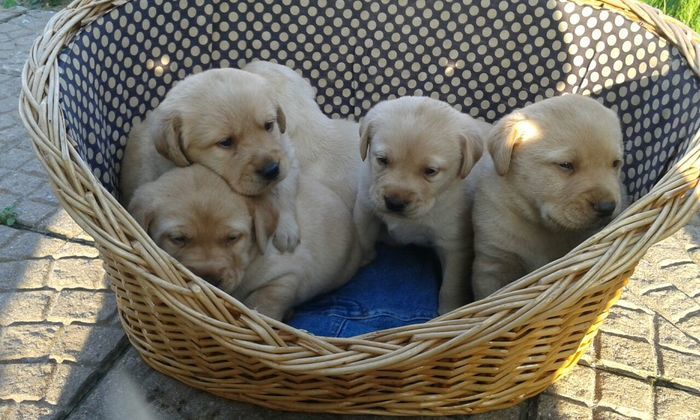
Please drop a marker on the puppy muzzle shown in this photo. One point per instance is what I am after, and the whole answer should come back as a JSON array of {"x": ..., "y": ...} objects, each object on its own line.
[
  {"x": 396, "y": 201},
  {"x": 230, "y": 279},
  {"x": 256, "y": 183},
  {"x": 269, "y": 172},
  {"x": 604, "y": 209},
  {"x": 394, "y": 204}
]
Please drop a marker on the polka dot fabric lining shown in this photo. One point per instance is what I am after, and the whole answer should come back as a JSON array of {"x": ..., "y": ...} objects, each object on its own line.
[{"x": 485, "y": 58}]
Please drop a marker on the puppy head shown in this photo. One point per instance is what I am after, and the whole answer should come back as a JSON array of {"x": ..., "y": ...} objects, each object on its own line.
[
  {"x": 564, "y": 156},
  {"x": 194, "y": 216},
  {"x": 228, "y": 121},
  {"x": 416, "y": 148}
]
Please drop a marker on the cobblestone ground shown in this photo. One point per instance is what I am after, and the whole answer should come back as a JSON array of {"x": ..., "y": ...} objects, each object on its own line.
[{"x": 63, "y": 354}]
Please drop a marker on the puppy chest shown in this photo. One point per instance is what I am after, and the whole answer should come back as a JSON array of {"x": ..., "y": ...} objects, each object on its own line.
[
  {"x": 407, "y": 233},
  {"x": 540, "y": 250}
]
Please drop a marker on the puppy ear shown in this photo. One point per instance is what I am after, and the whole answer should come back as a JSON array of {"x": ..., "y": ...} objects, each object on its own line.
[
  {"x": 503, "y": 138},
  {"x": 365, "y": 136},
  {"x": 472, "y": 149},
  {"x": 281, "y": 120},
  {"x": 142, "y": 209},
  {"x": 166, "y": 132},
  {"x": 265, "y": 217}
]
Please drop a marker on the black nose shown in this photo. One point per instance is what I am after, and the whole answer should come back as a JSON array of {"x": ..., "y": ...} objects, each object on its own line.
[
  {"x": 604, "y": 208},
  {"x": 394, "y": 204},
  {"x": 270, "y": 171}
]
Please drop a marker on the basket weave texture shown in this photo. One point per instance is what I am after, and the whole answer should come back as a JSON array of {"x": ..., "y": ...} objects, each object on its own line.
[{"x": 488, "y": 355}]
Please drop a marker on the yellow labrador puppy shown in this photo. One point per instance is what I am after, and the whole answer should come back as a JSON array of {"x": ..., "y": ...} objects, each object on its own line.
[
  {"x": 326, "y": 148},
  {"x": 229, "y": 121},
  {"x": 418, "y": 152},
  {"x": 194, "y": 216},
  {"x": 328, "y": 255},
  {"x": 223, "y": 237},
  {"x": 552, "y": 179}
]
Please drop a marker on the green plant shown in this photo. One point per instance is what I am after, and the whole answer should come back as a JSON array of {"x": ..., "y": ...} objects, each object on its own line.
[
  {"x": 8, "y": 216},
  {"x": 687, "y": 11},
  {"x": 34, "y": 4}
]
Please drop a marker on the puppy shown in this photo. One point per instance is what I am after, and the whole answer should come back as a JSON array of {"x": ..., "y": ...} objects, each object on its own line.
[
  {"x": 418, "y": 152},
  {"x": 328, "y": 255},
  {"x": 552, "y": 178},
  {"x": 193, "y": 215},
  {"x": 222, "y": 236},
  {"x": 229, "y": 121},
  {"x": 326, "y": 148}
]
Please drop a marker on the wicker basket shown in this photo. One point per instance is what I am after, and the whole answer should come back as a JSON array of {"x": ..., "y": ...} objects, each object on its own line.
[{"x": 487, "y": 355}]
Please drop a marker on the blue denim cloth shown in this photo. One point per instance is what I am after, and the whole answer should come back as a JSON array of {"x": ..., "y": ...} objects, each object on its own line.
[{"x": 400, "y": 287}]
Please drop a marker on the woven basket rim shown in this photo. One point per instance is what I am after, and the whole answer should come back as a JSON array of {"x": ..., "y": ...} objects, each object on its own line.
[{"x": 668, "y": 205}]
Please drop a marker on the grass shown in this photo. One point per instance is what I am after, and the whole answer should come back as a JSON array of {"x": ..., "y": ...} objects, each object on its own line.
[
  {"x": 687, "y": 11},
  {"x": 34, "y": 4},
  {"x": 8, "y": 216}
]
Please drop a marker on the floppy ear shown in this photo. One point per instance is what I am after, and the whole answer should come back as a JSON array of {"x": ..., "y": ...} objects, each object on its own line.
[
  {"x": 365, "y": 136},
  {"x": 142, "y": 208},
  {"x": 281, "y": 120},
  {"x": 472, "y": 149},
  {"x": 265, "y": 217},
  {"x": 503, "y": 138},
  {"x": 166, "y": 132}
]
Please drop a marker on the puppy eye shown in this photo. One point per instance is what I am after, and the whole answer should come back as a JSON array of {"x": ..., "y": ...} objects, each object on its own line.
[
  {"x": 431, "y": 172},
  {"x": 617, "y": 163},
  {"x": 226, "y": 143},
  {"x": 179, "y": 240},
  {"x": 567, "y": 166},
  {"x": 382, "y": 160},
  {"x": 233, "y": 238},
  {"x": 269, "y": 125}
]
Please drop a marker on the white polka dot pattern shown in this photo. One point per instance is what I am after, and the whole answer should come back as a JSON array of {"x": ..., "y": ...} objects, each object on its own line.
[{"x": 485, "y": 58}]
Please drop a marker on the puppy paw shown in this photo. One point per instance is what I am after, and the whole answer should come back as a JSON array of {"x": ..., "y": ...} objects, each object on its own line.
[{"x": 286, "y": 237}]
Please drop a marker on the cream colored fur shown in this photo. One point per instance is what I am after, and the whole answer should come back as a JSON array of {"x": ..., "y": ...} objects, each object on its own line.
[
  {"x": 229, "y": 121},
  {"x": 222, "y": 236},
  {"x": 401, "y": 139},
  {"x": 326, "y": 148},
  {"x": 326, "y": 258},
  {"x": 193, "y": 215},
  {"x": 529, "y": 208}
]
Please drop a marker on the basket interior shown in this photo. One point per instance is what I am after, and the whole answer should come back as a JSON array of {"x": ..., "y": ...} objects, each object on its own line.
[{"x": 484, "y": 58}]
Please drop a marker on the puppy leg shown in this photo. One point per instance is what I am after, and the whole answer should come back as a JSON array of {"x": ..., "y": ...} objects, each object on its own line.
[
  {"x": 368, "y": 226},
  {"x": 276, "y": 298},
  {"x": 454, "y": 291},
  {"x": 490, "y": 273},
  {"x": 286, "y": 237}
]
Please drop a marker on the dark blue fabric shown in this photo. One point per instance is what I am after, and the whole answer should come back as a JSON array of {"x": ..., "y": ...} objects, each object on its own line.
[{"x": 400, "y": 287}]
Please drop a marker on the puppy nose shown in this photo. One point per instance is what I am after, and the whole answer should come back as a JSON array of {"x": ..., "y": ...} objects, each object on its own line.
[
  {"x": 604, "y": 208},
  {"x": 206, "y": 272},
  {"x": 394, "y": 204},
  {"x": 270, "y": 171},
  {"x": 210, "y": 276}
]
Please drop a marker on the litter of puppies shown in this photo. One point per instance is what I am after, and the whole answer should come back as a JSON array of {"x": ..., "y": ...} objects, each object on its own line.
[{"x": 240, "y": 176}]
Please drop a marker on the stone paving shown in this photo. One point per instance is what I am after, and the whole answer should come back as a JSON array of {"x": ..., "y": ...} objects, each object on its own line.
[{"x": 64, "y": 355}]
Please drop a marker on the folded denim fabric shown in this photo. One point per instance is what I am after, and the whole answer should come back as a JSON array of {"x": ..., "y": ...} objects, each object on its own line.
[{"x": 400, "y": 287}]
